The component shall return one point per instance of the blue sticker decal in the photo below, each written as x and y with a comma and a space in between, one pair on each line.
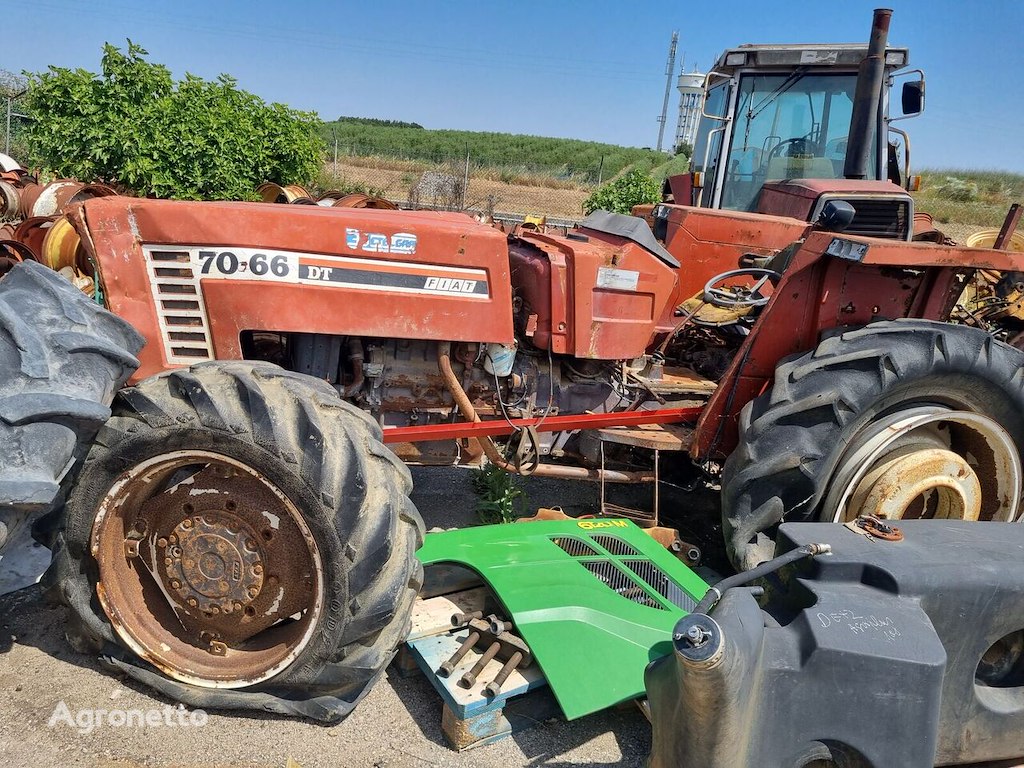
403, 242
376, 243
352, 238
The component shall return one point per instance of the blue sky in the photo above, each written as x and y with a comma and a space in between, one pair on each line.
590, 70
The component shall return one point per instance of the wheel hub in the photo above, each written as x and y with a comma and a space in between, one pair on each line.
207, 570
930, 482
928, 461
212, 563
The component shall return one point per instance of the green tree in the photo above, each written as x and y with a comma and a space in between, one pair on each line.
132, 125
684, 148
620, 195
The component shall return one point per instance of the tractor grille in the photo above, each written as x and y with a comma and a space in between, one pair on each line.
880, 217
615, 545
575, 547
179, 305
659, 581
624, 570
619, 582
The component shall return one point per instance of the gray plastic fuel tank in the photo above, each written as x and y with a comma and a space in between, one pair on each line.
905, 654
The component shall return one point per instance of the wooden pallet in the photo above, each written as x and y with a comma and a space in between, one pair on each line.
469, 717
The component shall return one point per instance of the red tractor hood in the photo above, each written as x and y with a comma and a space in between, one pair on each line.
797, 197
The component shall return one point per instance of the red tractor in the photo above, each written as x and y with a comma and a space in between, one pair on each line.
240, 533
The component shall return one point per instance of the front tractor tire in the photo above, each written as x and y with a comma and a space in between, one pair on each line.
62, 358
898, 419
240, 538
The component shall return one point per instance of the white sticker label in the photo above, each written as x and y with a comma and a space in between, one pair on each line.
245, 264
617, 279
819, 57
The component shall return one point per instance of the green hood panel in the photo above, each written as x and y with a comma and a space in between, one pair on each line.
596, 600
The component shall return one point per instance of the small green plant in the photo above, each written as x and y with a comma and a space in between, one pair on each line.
685, 149
620, 195
501, 500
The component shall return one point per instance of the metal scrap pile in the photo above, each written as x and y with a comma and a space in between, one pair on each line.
36, 228
296, 195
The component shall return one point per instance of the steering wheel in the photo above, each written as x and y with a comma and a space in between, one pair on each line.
776, 151
734, 296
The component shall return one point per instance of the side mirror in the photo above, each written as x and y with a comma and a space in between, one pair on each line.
913, 97
836, 216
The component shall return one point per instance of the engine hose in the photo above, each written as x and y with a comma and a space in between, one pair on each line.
714, 594
356, 358
451, 382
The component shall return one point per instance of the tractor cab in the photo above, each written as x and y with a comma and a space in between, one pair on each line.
779, 136
791, 138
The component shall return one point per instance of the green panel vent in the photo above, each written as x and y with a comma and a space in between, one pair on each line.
619, 582
575, 547
615, 545
660, 582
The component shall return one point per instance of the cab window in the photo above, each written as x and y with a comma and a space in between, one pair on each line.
710, 132
791, 126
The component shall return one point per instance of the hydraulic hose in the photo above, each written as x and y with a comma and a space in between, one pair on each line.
714, 594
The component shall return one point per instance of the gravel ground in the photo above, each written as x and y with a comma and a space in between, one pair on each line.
398, 724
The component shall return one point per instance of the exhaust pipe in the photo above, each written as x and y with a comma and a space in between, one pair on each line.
867, 98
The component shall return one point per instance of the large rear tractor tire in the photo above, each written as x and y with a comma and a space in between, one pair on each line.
62, 358
240, 538
898, 419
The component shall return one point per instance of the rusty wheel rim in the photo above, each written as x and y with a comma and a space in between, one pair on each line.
206, 569
928, 462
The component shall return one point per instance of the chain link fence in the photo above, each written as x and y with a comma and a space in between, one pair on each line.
457, 183
12, 89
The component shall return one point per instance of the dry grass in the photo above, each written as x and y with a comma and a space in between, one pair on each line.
517, 191
383, 163
519, 176
525, 178
506, 197
985, 196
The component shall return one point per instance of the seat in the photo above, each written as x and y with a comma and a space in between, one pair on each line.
800, 168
